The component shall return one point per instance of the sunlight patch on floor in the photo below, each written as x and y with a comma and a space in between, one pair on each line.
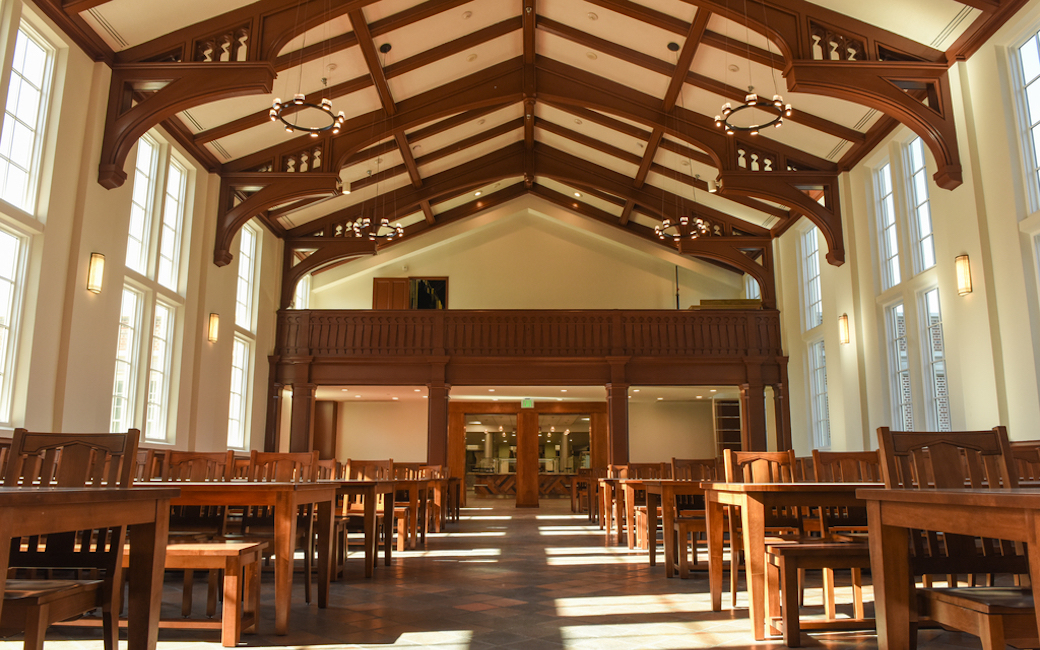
624, 605
570, 517
472, 552
472, 534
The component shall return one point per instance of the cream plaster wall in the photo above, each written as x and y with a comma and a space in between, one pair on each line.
520, 258
382, 430
657, 432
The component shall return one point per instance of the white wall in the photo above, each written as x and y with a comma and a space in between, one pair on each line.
520, 258
657, 432
374, 430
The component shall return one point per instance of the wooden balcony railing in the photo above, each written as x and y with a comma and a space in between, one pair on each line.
539, 333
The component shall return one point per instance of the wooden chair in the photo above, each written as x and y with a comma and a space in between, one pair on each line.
690, 523
637, 533
1027, 462
351, 511
787, 562
403, 510
67, 460
759, 467
258, 521
958, 460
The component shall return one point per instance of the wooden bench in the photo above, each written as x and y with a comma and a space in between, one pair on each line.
240, 562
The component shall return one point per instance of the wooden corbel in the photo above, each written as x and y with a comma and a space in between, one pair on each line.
142, 95
248, 194
733, 251
326, 250
790, 189
896, 88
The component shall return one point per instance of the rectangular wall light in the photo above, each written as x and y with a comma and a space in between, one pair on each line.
843, 329
96, 273
963, 274
214, 327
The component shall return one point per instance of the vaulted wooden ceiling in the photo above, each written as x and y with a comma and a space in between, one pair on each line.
604, 107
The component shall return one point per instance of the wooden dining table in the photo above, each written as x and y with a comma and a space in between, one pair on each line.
416, 488
28, 511
286, 498
1012, 515
662, 492
754, 501
370, 492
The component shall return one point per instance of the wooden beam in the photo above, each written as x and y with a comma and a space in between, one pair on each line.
427, 210
648, 157
409, 159
685, 60
79, 6
375, 68
626, 212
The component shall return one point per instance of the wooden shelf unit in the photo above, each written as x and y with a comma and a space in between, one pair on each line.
727, 424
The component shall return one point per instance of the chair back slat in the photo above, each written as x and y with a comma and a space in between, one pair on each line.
288, 467
640, 470
847, 466
1027, 460
694, 469
72, 460
759, 466
368, 470
198, 466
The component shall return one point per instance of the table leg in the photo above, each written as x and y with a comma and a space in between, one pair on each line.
714, 514
752, 519
602, 492
325, 533
147, 561
371, 544
1033, 549
652, 501
574, 495
388, 526
284, 543
413, 516
668, 528
619, 510
890, 575
630, 515
606, 511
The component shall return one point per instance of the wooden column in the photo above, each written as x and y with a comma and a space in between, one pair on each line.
301, 433
274, 414
437, 436
527, 459
617, 422
598, 440
753, 417
782, 404
457, 448
326, 425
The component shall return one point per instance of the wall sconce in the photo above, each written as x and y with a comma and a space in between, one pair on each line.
96, 273
214, 327
843, 329
963, 274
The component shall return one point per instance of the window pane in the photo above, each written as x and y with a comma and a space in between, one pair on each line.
12, 253
811, 279
302, 297
141, 205
924, 246
1030, 58
159, 373
888, 239
819, 403
24, 119
935, 361
239, 394
899, 363
123, 392
172, 221
246, 279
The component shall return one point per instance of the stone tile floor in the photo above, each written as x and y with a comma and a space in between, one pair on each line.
505, 578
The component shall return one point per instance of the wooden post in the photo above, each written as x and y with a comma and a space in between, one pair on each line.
617, 422
301, 432
437, 435
274, 414
753, 417
782, 404
527, 459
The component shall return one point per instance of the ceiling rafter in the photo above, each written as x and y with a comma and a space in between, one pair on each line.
371, 56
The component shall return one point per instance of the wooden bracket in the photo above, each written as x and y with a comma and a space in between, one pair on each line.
800, 191
734, 252
327, 248
142, 95
914, 92
246, 195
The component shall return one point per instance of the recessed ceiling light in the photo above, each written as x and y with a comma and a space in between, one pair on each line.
426, 397
494, 399
491, 390
578, 122
577, 194
593, 16
635, 390
584, 419
592, 56
481, 121
345, 389
416, 147
471, 58
466, 15
475, 423
357, 396
685, 163
733, 67
714, 391
700, 397
559, 399
418, 390
563, 390
346, 191
660, 399
477, 193
395, 398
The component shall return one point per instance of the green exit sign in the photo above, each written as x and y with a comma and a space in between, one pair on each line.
527, 403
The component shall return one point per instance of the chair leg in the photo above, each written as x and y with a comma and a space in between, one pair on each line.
789, 609
189, 583
828, 594
251, 596
231, 621
211, 593
857, 593
991, 632
402, 533
734, 567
